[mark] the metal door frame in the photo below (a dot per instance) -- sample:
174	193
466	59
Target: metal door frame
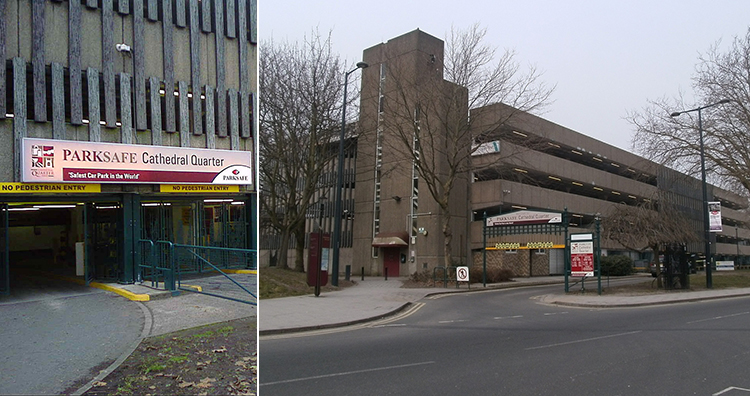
4	251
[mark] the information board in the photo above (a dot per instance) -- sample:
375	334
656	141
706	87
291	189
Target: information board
582	258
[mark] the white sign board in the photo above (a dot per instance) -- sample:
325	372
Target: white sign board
525	217
725	265
66	161
714	216
462	274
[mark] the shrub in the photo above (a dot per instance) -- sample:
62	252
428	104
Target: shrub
616	265
421	277
494	274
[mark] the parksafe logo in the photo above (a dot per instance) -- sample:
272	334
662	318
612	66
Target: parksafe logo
235	174
42	161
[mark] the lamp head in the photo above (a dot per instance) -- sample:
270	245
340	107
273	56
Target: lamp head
362	65
675	114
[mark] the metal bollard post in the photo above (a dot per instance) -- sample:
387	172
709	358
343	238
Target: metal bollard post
386	273
363	273
348	272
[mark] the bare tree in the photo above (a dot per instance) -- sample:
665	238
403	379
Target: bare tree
300	118
652	224
430	112
675	141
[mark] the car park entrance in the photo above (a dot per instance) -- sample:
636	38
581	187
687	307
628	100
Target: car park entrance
97	237
60	237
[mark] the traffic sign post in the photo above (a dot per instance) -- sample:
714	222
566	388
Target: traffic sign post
462	275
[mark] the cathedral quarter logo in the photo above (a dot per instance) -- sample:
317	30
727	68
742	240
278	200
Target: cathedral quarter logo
42	161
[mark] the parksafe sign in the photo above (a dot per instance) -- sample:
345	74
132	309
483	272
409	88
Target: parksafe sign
49	161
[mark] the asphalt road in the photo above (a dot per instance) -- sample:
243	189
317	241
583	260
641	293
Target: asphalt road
505	343
54	335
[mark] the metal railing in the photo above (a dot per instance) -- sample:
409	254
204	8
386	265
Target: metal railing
200	259
150	255
168	262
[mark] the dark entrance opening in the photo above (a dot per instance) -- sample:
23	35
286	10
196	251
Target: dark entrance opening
42	241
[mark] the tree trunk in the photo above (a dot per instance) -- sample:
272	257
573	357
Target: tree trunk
659	283
299	250
448	235
282	258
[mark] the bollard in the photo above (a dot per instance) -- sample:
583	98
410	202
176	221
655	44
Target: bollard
348	272
386	273
363	273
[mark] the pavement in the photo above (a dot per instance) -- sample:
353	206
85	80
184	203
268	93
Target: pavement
166	311
72	333
374	298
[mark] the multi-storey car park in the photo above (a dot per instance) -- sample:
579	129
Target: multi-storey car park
123	121
390	223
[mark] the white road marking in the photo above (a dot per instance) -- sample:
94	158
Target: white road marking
451	321
345	373
731	388
718	317
584	340
389	325
508	317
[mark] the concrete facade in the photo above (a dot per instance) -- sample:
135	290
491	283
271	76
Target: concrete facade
158	73
524	163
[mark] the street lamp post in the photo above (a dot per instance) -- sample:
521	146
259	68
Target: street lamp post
319	252
340	184
707	230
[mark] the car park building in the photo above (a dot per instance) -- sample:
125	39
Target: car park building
121	121
527	164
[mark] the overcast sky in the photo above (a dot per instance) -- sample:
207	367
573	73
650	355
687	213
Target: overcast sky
606	57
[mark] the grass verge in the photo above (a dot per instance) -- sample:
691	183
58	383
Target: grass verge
217	359
277	282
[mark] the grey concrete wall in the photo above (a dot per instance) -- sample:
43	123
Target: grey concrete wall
78	39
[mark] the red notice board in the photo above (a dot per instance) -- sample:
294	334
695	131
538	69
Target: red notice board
582	258
314	259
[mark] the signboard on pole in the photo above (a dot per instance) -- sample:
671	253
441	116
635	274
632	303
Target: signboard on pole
462	274
714	216
582	258
317	257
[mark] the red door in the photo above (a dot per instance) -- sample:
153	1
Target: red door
391	261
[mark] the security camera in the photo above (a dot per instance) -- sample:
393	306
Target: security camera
122	47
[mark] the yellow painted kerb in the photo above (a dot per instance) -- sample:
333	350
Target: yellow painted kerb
194	287
125	293
240	271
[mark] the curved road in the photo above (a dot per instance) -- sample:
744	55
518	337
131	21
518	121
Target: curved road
505	342
56	336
